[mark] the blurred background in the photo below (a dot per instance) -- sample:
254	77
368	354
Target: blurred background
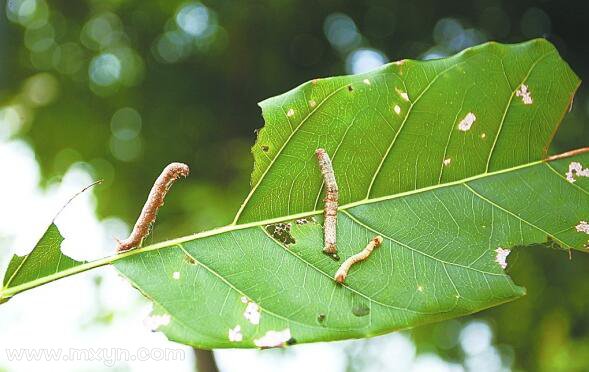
116	89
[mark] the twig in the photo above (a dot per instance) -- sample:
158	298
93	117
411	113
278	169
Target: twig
75	196
331	203
342	272
568	154
155	200
205	361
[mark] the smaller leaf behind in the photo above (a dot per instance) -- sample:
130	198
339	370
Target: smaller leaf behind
44	260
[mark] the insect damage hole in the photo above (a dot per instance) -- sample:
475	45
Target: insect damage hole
235	334
403	94
525	94
281	232
252	313
467	122
583	226
154	201
342	272
274	339
154	322
331	203
501	256
576	170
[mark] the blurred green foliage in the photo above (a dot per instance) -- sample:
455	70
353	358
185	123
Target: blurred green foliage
125	87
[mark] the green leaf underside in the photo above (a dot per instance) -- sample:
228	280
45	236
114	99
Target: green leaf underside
441	224
437	262
44	260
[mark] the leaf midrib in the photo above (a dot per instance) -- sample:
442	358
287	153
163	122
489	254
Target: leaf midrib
9	292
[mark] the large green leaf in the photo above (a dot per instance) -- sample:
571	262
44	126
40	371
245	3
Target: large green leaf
389	133
445	192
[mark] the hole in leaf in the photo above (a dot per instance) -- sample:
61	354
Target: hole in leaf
265	148
281	232
306	220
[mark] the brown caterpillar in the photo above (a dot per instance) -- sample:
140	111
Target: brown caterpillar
330	211
342	272
155	200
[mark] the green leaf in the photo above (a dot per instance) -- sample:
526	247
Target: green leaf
438	261
442	223
45	260
444	200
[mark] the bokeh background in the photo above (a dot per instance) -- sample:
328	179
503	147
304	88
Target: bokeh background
116	89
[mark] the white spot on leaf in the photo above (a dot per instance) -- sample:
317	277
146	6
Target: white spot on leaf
366	81
235	334
153	322
397	109
252	313
576	170
244	299
176	275
583	226
447	161
312	103
467	122
420	288
274	338
501	256
403	95
290	112
523	92
483	135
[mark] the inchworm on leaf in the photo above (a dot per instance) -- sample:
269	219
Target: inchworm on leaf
342	272
330	211
155	200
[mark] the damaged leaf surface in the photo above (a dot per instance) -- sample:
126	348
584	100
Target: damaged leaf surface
44	260
444	159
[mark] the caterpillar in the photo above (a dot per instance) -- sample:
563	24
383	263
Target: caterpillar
171	173
331	203
342	272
